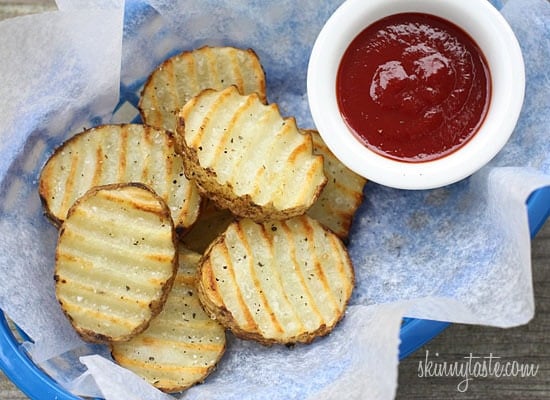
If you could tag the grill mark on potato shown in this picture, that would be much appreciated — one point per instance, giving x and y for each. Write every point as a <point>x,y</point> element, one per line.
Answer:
<point>164,96</point>
<point>102,222</point>
<point>350,194</point>
<point>256,82</point>
<point>224,130</point>
<point>70,184</point>
<point>245,123</point>
<point>318,268</point>
<point>152,102</point>
<point>114,262</point>
<point>172,368</point>
<point>298,190</point>
<point>184,71</point>
<point>191,196</point>
<point>154,116</point>
<point>157,162</point>
<point>98,170</point>
<point>177,344</point>
<point>211,63</point>
<point>78,269</point>
<point>214,118</point>
<point>266,192</point>
<point>146,149</point>
<point>310,299</point>
<point>123,150</point>
<point>277,190</point>
<point>209,280</point>
<point>345,274</point>
<point>276,274</point>
<point>199,132</point>
<point>135,203</point>
<point>168,177</point>
<point>228,138</point>
<point>171,102</point>
<point>91,309</point>
<point>195,72</point>
<point>121,297</point>
<point>106,141</point>
<point>261,289</point>
<point>234,307</point>
<point>78,312</point>
<point>249,320</point>
<point>86,162</point>
<point>297,152</point>
<point>236,71</point>
<point>309,174</point>
<point>203,74</point>
<point>197,328</point>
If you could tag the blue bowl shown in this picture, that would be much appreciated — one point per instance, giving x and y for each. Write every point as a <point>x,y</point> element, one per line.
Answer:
<point>36,384</point>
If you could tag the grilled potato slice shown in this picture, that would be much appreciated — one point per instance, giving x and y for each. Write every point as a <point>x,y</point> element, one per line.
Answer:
<point>276,282</point>
<point>115,262</point>
<point>116,154</point>
<point>182,345</point>
<point>243,155</point>
<point>342,194</point>
<point>185,75</point>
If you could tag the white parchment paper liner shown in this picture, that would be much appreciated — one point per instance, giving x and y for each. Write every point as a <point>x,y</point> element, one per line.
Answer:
<point>459,253</point>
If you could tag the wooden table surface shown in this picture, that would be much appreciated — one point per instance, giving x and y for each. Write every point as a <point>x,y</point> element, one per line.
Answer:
<point>527,345</point>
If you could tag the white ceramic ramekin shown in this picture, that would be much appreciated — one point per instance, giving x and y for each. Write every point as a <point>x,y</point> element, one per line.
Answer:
<point>496,40</point>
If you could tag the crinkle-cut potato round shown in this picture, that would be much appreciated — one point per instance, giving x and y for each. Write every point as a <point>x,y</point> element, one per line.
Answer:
<point>342,194</point>
<point>111,154</point>
<point>282,282</point>
<point>212,222</point>
<point>182,344</point>
<point>115,261</point>
<point>246,157</point>
<point>185,75</point>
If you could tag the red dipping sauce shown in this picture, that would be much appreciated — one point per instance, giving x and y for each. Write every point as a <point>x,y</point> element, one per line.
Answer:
<point>413,87</point>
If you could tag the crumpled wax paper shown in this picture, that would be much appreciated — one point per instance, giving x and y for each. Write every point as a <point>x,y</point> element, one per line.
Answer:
<point>459,253</point>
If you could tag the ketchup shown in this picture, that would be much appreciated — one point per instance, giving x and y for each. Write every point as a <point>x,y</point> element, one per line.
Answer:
<point>413,87</point>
